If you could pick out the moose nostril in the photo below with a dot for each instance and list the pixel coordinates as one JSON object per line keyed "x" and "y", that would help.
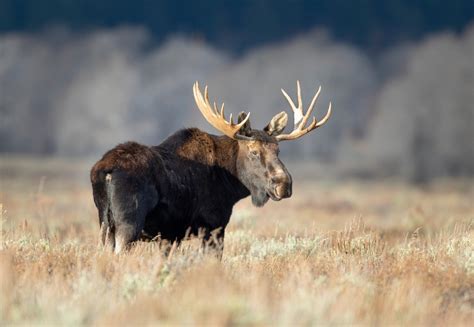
{"x": 283, "y": 190}
{"x": 279, "y": 179}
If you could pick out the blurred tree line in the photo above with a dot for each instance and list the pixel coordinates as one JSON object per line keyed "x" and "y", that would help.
{"x": 240, "y": 25}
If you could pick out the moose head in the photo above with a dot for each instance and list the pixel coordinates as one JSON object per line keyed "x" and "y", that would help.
{"x": 258, "y": 166}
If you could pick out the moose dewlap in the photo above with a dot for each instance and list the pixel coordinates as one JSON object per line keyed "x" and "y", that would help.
{"x": 189, "y": 183}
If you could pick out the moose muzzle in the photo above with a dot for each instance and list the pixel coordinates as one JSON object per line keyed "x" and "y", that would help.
{"x": 281, "y": 187}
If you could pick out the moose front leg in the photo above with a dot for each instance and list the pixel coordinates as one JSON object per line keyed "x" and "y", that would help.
{"x": 213, "y": 241}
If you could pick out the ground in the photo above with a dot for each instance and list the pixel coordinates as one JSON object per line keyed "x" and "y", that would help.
{"x": 340, "y": 251}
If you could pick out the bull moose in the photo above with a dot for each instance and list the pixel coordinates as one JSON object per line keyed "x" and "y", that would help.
{"x": 189, "y": 183}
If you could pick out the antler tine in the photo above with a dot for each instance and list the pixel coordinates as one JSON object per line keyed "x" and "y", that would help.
{"x": 216, "y": 118}
{"x": 301, "y": 119}
{"x": 298, "y": 92}
{"x": 206, "y": 95}
{"x": 325, "y": 118}
{"x": 310, "y": 108}
{"x": 297, "y": 110}
{"x": 222, "y": 110}
{"x": 216, "y": 111}
{"x": 292, "y": 105}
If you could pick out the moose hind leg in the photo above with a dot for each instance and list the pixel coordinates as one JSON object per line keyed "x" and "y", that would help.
{"x": 129, "y": 220}
{"x": 124, "y": 236}
{"x": 130, "y": 201}
{"x": 106, "y": 237}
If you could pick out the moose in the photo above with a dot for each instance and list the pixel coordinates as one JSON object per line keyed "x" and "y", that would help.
{"x": 189, "y": 184}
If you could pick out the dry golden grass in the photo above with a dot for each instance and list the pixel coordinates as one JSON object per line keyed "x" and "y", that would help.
{"x": 345, "y": 252}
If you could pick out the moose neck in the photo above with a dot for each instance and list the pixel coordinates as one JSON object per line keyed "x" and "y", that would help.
{"x": 226, "y": 156}
{"x": 219, "y": 152}
{"x": 226, "y": 152}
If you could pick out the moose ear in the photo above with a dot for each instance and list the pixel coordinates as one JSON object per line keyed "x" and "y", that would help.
{"x": 277, "y": 124}
{"x": 245, "y": 129}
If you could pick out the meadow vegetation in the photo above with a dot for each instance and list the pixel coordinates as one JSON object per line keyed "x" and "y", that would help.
{"x": 339, "y": 252}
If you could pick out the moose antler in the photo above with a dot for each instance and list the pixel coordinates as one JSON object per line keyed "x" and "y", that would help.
{"x": 216, "y": 118}
{"x": 301, "y": 119}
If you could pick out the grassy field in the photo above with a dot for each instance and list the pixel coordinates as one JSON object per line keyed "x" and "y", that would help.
{"x": 338, "y": 252}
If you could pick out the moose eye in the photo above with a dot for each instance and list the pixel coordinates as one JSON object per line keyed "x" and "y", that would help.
{"x": 254, "y": 153}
